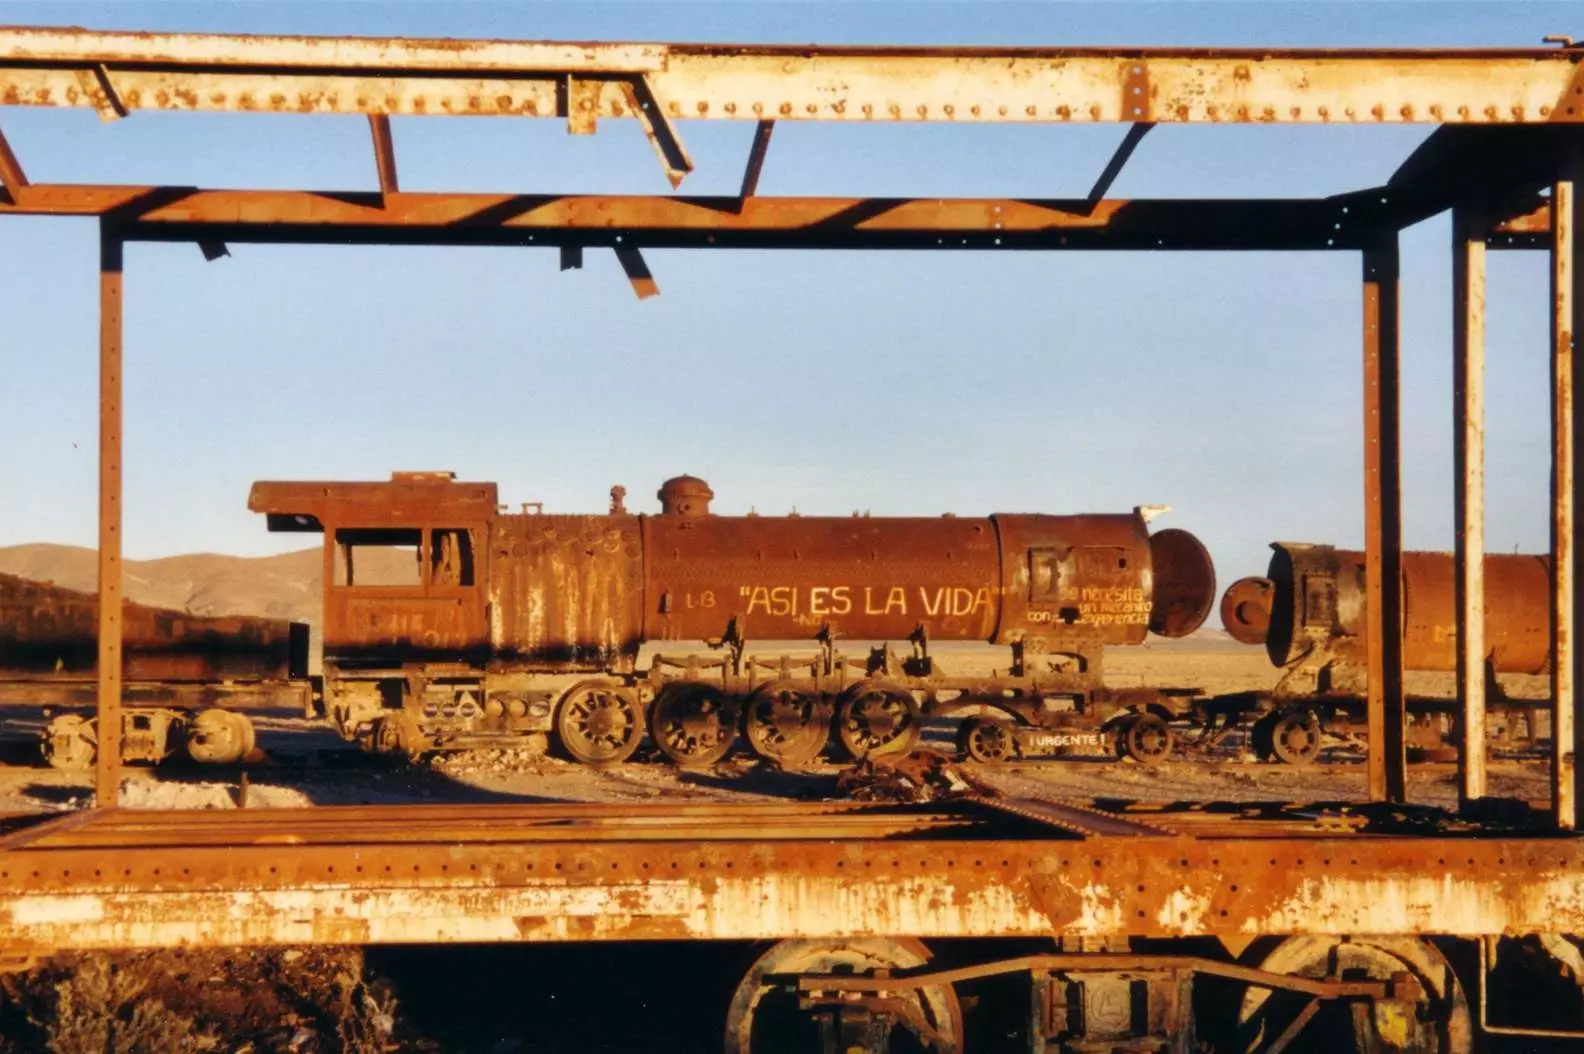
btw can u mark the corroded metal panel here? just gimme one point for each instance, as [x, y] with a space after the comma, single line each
[566, 589]
[1317, 600]
[785, 578]
[306, 876]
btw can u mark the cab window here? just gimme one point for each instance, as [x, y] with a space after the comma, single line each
[378, 556]
[450, 557]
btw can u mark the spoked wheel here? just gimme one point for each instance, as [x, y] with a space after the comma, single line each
[765, 1017]
[599, 723]
[786, 723]
[70, 743]
[1439, 1023]
[1295, 737]
[693, 724]
[987, 740]
[1146, 739]
[875, 719]
[219, 737]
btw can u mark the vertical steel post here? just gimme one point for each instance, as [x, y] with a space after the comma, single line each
[108, 782]
[1468, 455]
[1387, 767]
[1564, 557]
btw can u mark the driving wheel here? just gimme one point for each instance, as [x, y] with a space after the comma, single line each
[599, 723]
[876, 719]
[693, 724]
[786, 723]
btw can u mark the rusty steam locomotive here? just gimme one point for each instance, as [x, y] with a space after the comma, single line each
[1308, 612]
[450, 623]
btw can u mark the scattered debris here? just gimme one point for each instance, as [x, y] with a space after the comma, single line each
[919, 776]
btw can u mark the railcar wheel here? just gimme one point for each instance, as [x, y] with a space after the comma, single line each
[765, 1018]
[786, 723]
[219, 737]
[875, 719]
[1439, 1023]
[1295, 737]
[1147, 739]
[599, 723]
[987, 740]
[70, 743]
[693, 724]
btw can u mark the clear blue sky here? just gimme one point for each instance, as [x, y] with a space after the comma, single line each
[1226, 386]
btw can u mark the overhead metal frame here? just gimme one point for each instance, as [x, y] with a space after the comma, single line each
[1538, 94]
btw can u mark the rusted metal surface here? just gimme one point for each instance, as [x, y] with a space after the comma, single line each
[47, 631]
[110, 629]
[1564, 525]
[384, 153]
[1003, 578]
[754, 82]
[1317, 606]
[188, 213]
[521, 873]
[1468, 507]
[1387, 762]
[12, 179]
[756, 158]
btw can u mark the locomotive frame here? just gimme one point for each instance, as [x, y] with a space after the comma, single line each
[1379, 895]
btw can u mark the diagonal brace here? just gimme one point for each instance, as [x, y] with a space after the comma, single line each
[1135, 135]
[637, 270]
[384, 153]
[658, 129]
[12, 178]
[756, 158]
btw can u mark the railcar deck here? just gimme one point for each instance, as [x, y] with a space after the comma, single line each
[978, 867]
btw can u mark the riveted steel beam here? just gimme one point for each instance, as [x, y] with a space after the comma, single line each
[186, 213]
[129, 879]
[1565, 287]
[108, 710]
[45, 66]
[1468, 456]
[1387, 772]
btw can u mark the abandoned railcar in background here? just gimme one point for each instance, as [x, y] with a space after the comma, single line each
[186, 677]
[1309, 613]
[450, 623]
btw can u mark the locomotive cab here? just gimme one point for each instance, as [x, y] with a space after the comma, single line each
[404, 564]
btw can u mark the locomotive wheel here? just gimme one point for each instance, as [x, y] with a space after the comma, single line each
[987, 740]
[786, 723]
[764, 1017]
[599, 723]
[70, 743]
[1147, 739]
[875, 719]
[693, 724]
[1439, 1023]
[1262, 739]
[219, 737]
[1295, 737]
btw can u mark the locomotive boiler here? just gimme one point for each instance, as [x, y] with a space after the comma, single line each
[1309, 613]
[450, 622]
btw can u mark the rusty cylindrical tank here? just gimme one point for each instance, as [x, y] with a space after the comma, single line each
[1314, 595]
[1094, 579]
